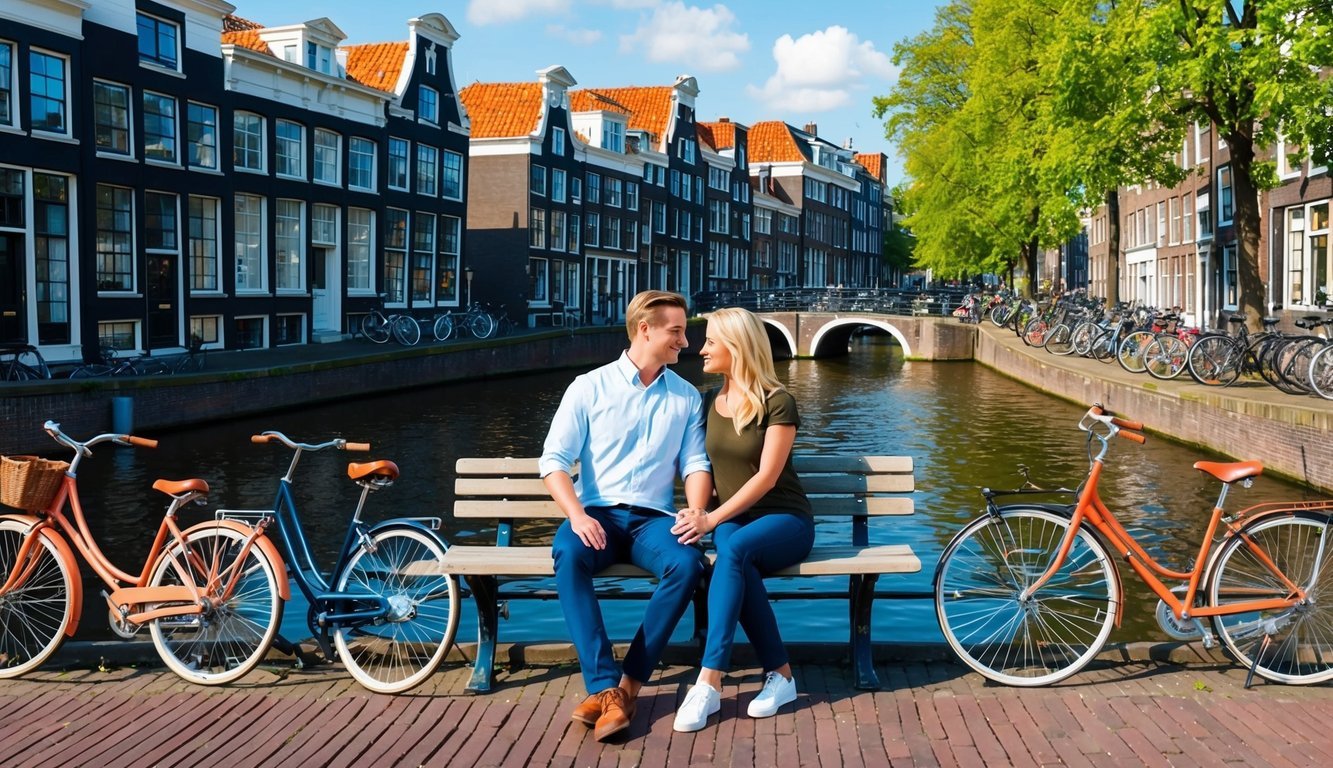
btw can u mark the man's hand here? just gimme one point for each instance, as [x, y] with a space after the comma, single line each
[589, 531]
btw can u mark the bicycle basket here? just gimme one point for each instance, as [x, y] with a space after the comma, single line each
[29, 482]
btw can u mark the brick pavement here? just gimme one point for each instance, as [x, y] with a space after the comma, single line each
[1138, 713]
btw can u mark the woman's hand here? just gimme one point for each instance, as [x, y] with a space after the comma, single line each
[692, 525]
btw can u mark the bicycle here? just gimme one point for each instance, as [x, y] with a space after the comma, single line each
[474, 321]
[211, 594]
[1218, 359]
[378, 327]
[391, 610]
[22, 362]
[1027, 594]
[113, 365]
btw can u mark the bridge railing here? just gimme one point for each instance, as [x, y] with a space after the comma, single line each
[886, 301]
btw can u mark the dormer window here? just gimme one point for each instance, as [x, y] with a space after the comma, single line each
[319, 58]
[613, 135]
[428, 105]
[158, 42]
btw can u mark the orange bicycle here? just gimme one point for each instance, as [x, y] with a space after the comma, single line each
[1027, 594]
[210, 594]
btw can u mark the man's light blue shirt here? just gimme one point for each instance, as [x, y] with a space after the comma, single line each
[630, 441]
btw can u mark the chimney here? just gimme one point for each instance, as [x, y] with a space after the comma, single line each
[724, 119]
[812, 129]
[847, 144]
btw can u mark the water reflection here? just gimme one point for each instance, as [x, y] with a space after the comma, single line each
[966, 426]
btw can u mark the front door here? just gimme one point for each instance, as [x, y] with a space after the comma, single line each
[163, 305]
[324, 290]
[13, 282]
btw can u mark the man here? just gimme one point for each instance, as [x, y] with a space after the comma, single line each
[632, 426]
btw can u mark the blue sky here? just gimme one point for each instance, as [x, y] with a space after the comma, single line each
[790, 60]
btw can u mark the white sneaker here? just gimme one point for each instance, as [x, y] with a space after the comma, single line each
[777, 691]
[702, 700]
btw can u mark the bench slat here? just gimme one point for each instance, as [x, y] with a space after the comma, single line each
[518, 487]
[505, 487]
[806, 462]
[537, 561]
[538, 509]
[505, 466]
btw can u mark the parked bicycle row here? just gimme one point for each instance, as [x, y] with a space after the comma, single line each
[25, 363]
[1157, 342]
[477, 321]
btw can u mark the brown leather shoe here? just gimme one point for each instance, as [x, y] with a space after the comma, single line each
[588, 712]
[617, 711]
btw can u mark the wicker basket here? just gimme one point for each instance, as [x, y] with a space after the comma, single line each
[29, 482]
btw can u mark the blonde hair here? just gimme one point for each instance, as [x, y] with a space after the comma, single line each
[643, 308]
[752, 373]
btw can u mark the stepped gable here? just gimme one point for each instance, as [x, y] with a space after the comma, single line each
[772, 141]
[499, 110]
[377, 65]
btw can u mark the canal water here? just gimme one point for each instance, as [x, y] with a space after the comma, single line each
[966, 426]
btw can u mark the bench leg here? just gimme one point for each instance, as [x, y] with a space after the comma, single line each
[485, 592]
[861, 598]
[701, 611]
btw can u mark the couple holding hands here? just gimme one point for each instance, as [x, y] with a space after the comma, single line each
[633, 426]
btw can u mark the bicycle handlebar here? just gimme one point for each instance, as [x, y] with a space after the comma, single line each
[82, 448]
[1130, 430]
[337, 443]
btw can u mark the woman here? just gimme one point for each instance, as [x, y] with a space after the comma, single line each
[763, 520]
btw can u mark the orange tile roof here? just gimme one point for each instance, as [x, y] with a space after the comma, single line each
[872, 162]
[772, 141]
[232, 23]
[502, 109]
[718, 136]
[592, 101]
[649, 107]
[246, 38]
[377, 65]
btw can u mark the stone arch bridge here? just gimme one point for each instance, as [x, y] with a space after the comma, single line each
[825, 334]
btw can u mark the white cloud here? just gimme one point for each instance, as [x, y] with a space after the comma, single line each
[502, 11]
[702, 38]
[818, 72]
[574, 36]
[630, 4]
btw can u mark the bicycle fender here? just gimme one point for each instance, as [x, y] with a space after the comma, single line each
[265, 545]
[75, 577]
[419, 527]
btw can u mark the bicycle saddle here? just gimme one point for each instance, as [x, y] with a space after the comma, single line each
[179, 487]
[381, 468]
[1230, 472]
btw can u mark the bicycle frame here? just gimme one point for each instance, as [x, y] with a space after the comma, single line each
[1092, 510]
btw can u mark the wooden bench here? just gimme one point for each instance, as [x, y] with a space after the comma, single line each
[510, 492]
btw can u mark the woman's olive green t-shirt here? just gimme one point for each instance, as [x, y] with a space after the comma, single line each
[735, 457]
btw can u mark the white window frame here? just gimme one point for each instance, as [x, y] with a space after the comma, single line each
[260, 153]
[323, 163]
[428, 109]
[558, 141]
[1226, 196]
[191, 143]
[11, 88]
[351, 153]
[296, 239]
[360, 284]
[155, 63]
[428, 170]
[260, 257]
[282, 154]
[558, 190]
[445, 172]
[66, 118]
[213, 237]
[174, 157]
[127, 126]
[400, 184]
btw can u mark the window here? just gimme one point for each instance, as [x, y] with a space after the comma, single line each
[446, 269]
[360, 232]
[659, 217]
[203, 244]
[319, 58]
[8, 115]
[158, 42]
[111, 118]
[571, 286]
[249, 211]
[428, 105]
[206, 329]
[328, 150]
[395, 255]
[594, 188]
[717, 178]
[632, 195]
[557, 185]
[1202, 142]
[289, 329]
[686, 150]
[398, 164]
[1161, 223]
[159, 127]
[423, 256]
[201, 136]
[324, 224]
[611, 232]
[572, 233]
[427, 169]
[289, 246]
[576, 189]
[558, 222]
[115, 235]
[592, 224]
[1224, 197]
[613, 135]
[613, 190]
[452, 180]
[159, 221]
[537, 184]
[361, 164]
[537, 281]
[1186, 218]
[46, 92]
[537, 228]
[631, 234]
[51, 265]
[250, 332]
[558, 142]
[291, 149]
[248, 140]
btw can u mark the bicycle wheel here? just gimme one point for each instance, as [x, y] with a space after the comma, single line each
[1022, 640]
[376, 327]
[36, 613]
[1215, 361]
[1059, 341]
[1291, 645]
[231, 636]
[1082, 337]
[1034, 333]
[400, 651]
[999, 314]
[1292, 362]
[1165, 357]
[1130, 352]
[1321, 373]
[406, 330]
[34, 362]
[443, 327]
[481, 325]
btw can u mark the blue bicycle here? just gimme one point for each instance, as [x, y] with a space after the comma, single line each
[389, 608]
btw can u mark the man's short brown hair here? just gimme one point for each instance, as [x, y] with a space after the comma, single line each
[643, 308]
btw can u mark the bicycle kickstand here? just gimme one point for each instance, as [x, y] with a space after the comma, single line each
[1249, 677]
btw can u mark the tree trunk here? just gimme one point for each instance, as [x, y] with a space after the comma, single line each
[1112, 246]
[1245, 218]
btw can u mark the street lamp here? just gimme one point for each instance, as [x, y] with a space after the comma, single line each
[467, 273]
